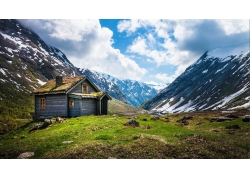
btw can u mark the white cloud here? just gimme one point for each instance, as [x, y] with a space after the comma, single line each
[184, 41]
[139, 46]
[234, 26]
[165, 78]
[87, 45]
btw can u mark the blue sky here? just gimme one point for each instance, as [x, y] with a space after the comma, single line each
[143, 47]
[149, 50]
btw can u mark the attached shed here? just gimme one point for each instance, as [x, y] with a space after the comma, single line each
[70, 97]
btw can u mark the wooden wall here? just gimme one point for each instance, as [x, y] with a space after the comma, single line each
[55, 105]
[76, 110]
[88, 106]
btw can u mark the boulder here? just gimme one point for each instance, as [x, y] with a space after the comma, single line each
[132, 122]
[59, 120]
[47, 122]
[246, 118]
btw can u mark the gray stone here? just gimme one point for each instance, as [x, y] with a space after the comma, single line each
[133, 123]
[47, 122]
[246, 118]
[25, 155]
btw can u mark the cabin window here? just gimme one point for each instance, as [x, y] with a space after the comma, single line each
[42, 103]
[84, 89]
[71, 103]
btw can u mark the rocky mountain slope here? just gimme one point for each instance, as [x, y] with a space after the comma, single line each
[131, 92]
[26, 62]
[219, 79]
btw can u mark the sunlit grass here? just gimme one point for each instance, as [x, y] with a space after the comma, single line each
[107, 136]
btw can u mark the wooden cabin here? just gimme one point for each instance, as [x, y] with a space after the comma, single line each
[70, 97]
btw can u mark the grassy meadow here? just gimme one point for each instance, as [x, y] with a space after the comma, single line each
[106, 137]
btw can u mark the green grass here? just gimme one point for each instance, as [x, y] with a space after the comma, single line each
[106, 136]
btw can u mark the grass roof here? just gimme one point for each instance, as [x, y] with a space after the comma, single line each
[50, 86]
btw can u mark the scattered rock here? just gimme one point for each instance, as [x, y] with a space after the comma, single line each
[67, 142]
[59, 120]
[246, 118]
[47, 122]
[144, 119]
[233, 127]
[25, 155]
[132, 122]
[14, 137]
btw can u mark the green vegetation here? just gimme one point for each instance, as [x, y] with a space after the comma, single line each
[51, 85]
[107, 137]
[119, 107]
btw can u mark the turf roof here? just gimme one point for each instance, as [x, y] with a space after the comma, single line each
[50, 86]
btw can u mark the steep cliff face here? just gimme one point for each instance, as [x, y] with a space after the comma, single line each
[219, 79]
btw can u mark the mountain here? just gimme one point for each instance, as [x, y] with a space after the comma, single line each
[110, 87]
[220, 78]
[26, 62]
[132, 92]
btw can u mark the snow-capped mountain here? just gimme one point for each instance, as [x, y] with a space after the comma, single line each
[219, 79]
[135, 92]
[158, 87]
[26, 62]
[104, 84]
[24, 47]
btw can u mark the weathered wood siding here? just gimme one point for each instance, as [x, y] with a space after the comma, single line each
[55, 105]
[76, 110]
[78, 89]
[88, 106]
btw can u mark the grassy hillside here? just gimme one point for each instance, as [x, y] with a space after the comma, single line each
[119, 107]
[100, 137]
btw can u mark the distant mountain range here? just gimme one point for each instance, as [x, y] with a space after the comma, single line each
[220, 78]
[135, 92]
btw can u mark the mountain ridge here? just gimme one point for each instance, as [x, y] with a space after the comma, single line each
[209, 83]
